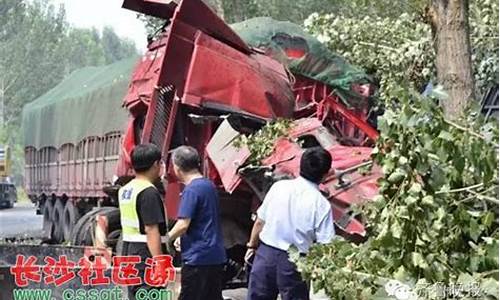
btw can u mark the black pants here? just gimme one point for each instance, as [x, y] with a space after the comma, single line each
[138, 249]
[201, 282]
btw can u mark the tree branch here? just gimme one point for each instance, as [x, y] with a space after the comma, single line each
[487, 198]
[466, 130]
[467, 188]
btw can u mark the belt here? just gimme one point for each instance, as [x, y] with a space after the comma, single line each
[278, 249]
[140, 238]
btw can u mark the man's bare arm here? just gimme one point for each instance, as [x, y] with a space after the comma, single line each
[254, 236]
[180, 227]
[153, 239]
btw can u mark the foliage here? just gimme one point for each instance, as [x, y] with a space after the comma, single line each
[400, 50]
[38, 48]
[484, 41]
[235, 11]
[152, 24]
[261, 143]
[393, 50]
[10, 136]
[436, 218]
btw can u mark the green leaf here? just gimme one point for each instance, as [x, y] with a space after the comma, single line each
[411, 200]
[403, 161]
[418, 260]
[401, 274]
[488, 219]
[396, 230]
[489, 286]
[429, 200]
[415, 188]
[445, 135]
[397, 176]
[474, 229]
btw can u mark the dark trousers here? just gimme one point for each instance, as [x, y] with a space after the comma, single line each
[138, 249]
[273, 273]
[201, 282]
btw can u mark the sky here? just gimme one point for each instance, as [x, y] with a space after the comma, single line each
[99, 13]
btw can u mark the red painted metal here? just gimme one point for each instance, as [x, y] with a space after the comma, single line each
[225, 157]
[361, 188]
[192, 54]
[190, 12]
[286, 160]
[222, 78]
[75, 171]
[160, 120]
[144, 78]
[317, 99]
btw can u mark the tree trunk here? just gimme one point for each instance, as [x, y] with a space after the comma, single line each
[450, 24]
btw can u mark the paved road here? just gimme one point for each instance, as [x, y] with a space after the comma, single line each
[20, 221]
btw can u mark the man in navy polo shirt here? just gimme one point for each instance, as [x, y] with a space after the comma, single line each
[199, 229]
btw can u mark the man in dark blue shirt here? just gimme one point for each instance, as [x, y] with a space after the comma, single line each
[198, 226]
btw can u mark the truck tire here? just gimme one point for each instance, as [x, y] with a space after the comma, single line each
[78, 229]
[84, 230]
[48, 223]
[58, 217]
[71, 216]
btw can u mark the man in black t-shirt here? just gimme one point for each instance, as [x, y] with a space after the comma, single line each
[142, 212]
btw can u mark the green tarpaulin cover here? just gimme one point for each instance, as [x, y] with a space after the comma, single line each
[86, 103]
[280, 39]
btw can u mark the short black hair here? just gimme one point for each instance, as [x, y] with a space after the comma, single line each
[186, 158]
[315, 164]
[144, 156]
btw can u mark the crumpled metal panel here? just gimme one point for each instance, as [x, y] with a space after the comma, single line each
[210, 66]
[145, 76]
[226, 157]
[158, 8]
[356, 189]
[194, 13]
[224, 78]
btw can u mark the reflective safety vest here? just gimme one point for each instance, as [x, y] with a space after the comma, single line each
[127, 199]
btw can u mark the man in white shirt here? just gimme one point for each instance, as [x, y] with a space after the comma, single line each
[293, 213]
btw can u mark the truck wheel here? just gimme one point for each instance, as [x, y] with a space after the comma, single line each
[71, 216]
[48, 224]
[78, 229]
[58, 218]
[113, 229]
[84, 230]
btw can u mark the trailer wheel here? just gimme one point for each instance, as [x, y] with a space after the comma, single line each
[84, 231]
[48, 224]
[58, 218]
[71, 216]
[79, 228]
